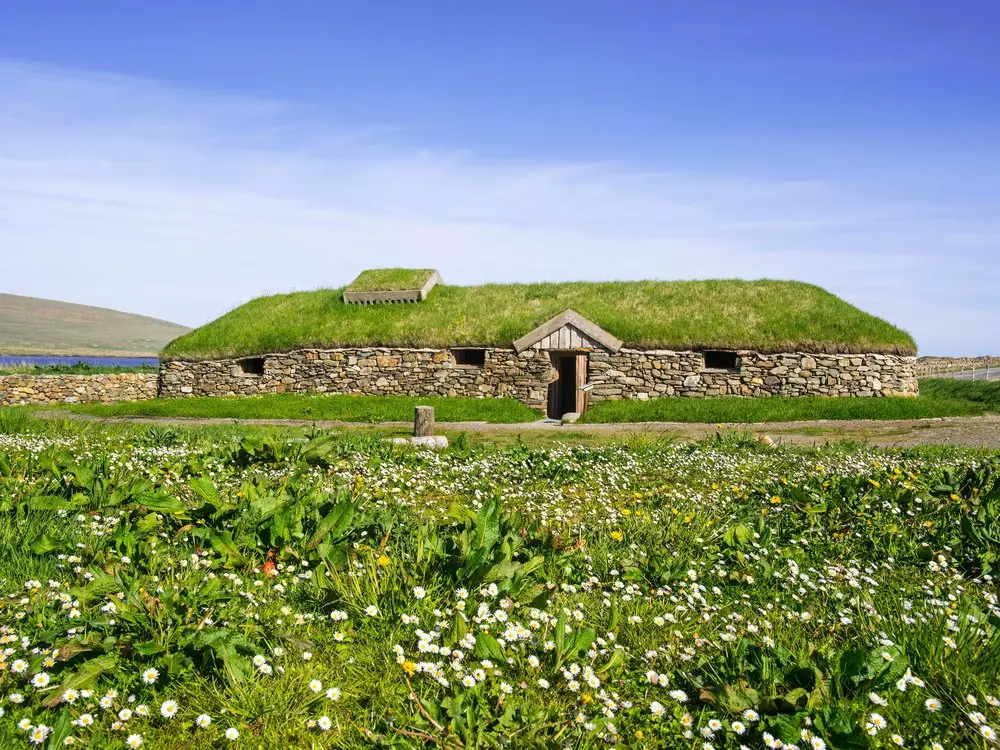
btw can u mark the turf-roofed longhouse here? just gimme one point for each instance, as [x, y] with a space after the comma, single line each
[555, 346]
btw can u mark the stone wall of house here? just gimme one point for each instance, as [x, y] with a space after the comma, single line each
[629, 373]
[381, 371]
[71, 389]
[651, 374]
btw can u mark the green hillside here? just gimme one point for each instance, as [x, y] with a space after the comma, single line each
[768, 316]
[30, 325]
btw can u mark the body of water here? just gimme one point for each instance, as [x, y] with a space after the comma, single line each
[15, 360]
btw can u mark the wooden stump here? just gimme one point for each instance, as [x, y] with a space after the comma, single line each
[423, 421]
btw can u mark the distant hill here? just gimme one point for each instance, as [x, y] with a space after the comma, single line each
[29, 325]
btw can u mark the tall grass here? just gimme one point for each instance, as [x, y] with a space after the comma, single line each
[15, 420]
[985, 394]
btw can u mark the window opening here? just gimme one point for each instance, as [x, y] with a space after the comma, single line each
[722, 361]
[469, 357]
[252, 366]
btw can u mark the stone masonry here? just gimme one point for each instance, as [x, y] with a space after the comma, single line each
[654, 373]
[629, 373]
[71, 389]
[382, 371]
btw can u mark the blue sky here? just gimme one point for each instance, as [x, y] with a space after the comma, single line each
[179, 158]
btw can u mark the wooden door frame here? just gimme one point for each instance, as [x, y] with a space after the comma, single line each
[581, 367]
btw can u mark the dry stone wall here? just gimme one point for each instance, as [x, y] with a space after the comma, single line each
[71, 389]
[382, 371]
[629, 373]
[655, 373]
[928, 366]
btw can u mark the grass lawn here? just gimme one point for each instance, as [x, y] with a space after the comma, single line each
[80, 368]
[933, 403]
[317, 407]
[940, 398]
[768, 316]
[984, 394]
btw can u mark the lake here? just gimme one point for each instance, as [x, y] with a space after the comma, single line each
[9, 360]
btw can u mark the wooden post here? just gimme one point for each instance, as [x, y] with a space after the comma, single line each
[423, 421]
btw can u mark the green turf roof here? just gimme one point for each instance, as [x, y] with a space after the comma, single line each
[765, 316]
[390, 279]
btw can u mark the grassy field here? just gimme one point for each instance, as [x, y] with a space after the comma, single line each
[767, 316]
[29, 325]
[197, 589]
[344, 408]
[941, 398]
[80, 368]
[984, 394]
[799, 409]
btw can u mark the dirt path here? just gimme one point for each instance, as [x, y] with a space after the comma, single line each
[977, 432]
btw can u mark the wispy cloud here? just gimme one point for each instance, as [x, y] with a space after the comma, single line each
[129, 193]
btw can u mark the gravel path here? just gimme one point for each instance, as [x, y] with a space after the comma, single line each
[977, 432]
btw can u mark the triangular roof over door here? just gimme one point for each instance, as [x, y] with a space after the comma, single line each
[568, 331]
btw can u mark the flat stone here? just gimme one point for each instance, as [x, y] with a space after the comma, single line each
[429, 441]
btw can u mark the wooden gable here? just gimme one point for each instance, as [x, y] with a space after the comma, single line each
[568, 331]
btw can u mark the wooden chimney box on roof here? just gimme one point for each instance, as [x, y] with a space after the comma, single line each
[418, 293]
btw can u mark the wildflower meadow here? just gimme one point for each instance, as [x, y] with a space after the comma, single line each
[195, 589]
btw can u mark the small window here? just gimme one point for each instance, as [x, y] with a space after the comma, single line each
[252, 366]
[469, 357]
[722, 361]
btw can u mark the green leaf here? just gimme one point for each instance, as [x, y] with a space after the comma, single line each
[580, 640]
[61, 729]
[43, 544]
[737, 698]
[560, 638]
[461, 513]
[161, 503]
[737, 536]
[488, 647]
[532, 565]
[837, 721]
[265, 505]
[335, 523]
[49, 502]
[83, 677]
[149, 648]
[222, 542]
[206, 490]
[488, 524]
[615, 662]
[458, 628]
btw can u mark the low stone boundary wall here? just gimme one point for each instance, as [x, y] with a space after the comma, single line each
[76, 389]
[930, 365]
